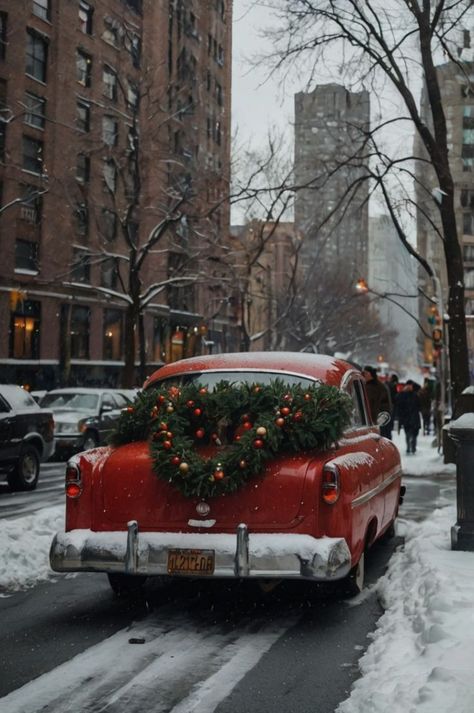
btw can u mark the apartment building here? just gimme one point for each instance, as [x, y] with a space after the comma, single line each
[456, 84]
[114, 172]
[331, 205]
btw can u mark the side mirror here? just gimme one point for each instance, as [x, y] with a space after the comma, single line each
[383, 418]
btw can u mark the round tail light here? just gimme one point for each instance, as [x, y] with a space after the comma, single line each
[331, 484]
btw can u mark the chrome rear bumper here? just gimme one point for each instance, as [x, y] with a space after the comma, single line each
[241, 555]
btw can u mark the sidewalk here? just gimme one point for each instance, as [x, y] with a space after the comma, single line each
[421, 657]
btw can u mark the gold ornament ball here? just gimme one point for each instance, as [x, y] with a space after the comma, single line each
[242, 464]
[169, 409]
[261, 431]
[184, 468]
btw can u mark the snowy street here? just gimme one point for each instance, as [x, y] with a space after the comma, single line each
[185, 655]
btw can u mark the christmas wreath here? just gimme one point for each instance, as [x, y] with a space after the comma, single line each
[242, 425]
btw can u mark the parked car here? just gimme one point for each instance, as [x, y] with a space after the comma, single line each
[303, 487]
[26, 437]
[83, 417]
[38, 395]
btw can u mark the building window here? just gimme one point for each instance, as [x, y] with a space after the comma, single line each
[80, 330]
[32, 155]
[36, 56]
[83, 116]
[25, 329]
[3, 34]
[110, 131]
[108, 224]
[41, 9]
[35, 110]
[83, 168]
[110, 175]
[81, 214]
[26, 256]
[161, 340]
[219, 94]
[31, 207]
[81, 266]
[109, 273]
[467, 150]
[135, 5]
[469, 279]
[468, 223]
[468, 253]
[133, 45]
[83, 68]
[132, 95]
[86, 13]
[113, 331]
[109, 79]
[3, 138]
[111, 32]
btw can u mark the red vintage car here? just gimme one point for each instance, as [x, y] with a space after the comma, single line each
[249, 465]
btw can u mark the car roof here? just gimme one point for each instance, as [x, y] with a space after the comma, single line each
[84, 390]
[11, 389]
[324, 368]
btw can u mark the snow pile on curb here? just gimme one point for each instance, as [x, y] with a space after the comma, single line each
[25, 543]
[422, 654]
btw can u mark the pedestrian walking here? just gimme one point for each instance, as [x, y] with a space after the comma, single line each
[379, 398]
[425, 397]
[408, 409]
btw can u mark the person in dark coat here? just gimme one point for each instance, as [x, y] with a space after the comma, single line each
[408, 409]
[424, 395]
[379, 398]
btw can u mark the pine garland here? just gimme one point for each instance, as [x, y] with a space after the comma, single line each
[243, 426]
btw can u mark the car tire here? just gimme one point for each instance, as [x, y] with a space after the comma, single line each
[353, 584]
[25, 474]
[90, 441]
[127, 586]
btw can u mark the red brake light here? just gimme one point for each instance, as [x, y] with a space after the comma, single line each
[73, 480]
[330, 486]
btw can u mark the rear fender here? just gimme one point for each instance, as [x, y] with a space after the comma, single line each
[79, 511]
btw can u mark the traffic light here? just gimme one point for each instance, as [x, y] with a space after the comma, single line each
[437, 336]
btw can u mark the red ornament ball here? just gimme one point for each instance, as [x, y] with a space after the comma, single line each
[197, 411]
[167, 445]
[203, 390]
[130, 409]
[280, 422]
[163, 426]
[285, 411]
[200, 433]
[189, 404]
[298, 416]
[307, 397]
[247, 426]
[176, 460]
[258, 443]
[218, 474]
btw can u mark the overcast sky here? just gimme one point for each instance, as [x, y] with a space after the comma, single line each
[257, 104]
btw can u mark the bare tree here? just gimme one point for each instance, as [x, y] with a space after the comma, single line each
[398, 44]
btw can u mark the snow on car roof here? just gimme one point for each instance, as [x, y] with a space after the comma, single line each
[316, 366]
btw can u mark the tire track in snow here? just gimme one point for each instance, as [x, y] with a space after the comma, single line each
[179, 669]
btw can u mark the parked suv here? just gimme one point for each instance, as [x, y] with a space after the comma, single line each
[26, 437]
[84, 418]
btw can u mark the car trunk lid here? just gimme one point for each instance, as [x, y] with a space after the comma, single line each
[132, 491]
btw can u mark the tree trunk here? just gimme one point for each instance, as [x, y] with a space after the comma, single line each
[128, 374]
[142, 349]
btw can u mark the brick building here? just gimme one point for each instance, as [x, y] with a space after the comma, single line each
[114, 129]
[458, 103]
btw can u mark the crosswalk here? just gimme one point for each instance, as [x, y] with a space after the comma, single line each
[49, 492]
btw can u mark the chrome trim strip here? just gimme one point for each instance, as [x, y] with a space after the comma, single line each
[242, 567]
[132, 547]
[365, 497]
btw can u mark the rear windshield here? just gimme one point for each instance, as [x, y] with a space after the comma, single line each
[80, 402]
[211, 378]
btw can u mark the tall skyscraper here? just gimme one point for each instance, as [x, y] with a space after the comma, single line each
[331, 206]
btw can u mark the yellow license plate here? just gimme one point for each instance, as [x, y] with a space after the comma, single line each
[199, 562]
